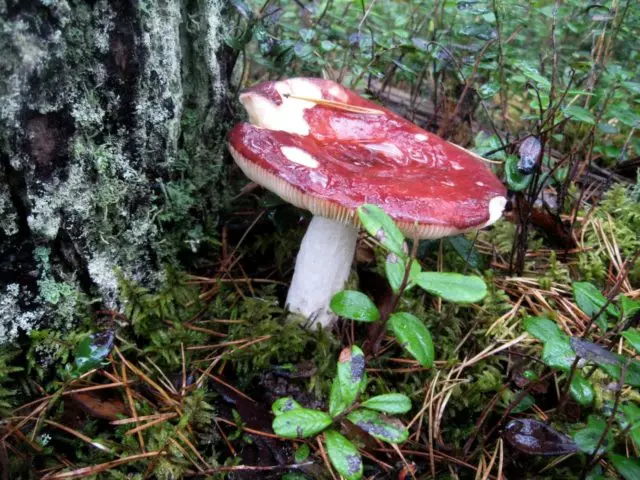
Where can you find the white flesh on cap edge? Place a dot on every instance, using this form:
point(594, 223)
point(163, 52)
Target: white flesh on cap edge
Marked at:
point(322, 269)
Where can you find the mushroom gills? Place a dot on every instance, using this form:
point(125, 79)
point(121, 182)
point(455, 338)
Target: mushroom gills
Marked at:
point(322, 269)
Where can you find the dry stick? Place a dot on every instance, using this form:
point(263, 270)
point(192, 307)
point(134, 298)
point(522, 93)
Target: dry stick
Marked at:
point(250, 468)
point(94, 469)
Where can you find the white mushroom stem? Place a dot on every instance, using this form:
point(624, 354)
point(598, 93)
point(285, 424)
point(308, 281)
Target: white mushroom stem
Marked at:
point(322, 269)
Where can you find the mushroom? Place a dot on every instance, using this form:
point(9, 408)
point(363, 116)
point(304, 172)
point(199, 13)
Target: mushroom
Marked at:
point(322, 147)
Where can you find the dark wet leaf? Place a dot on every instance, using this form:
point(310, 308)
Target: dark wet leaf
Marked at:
point(465, 249)
point(413, 336)
point(283, 405)
point(542, 328)
point(453, 287)
point(380, 226)
point(421, 44)
point(99, 405)
point(242, 8)
point(92, 350)
point(300, 423)
point(354, 306)
point(378, 425)
point(529, 151)
point(349, 381)
point(389, 403)
point(344, 455)
point(537, 438)
point(629, 468)
point(593, 352)
point(587, 438)
point(581, 390)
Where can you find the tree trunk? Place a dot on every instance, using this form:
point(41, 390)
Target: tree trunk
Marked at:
point(112, 123)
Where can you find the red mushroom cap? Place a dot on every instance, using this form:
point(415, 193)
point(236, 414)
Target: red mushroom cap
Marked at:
point(331, 157)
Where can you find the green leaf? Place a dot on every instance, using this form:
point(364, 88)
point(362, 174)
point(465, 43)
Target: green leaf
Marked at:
point(588, 437)
point(523, 405)
point(389, 403)
point(629, 468)
point(344, 455)
point(629, 307)
point(631, 413)
point(378, 425)
point(301, 453)
point(349, 380)
point(633, 337)
point(580, 114)
point(557, 353)
point(395, 269)
point(581, 390)
point(283, 405)
point(632, 375)
point(542, 328)
point(300, 423)
point(532, 73)
point(413, 336)
point(355, 306)
point(453, 287)
point(380, 226)
point(92, 350)
point(516, 180)
point(590, 300)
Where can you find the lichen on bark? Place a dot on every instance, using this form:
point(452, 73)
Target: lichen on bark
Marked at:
point(111, 148)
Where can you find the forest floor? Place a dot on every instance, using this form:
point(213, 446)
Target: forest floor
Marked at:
point(539, 378)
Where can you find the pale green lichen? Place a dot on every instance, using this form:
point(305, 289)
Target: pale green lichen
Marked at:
point(15, 316)
point(8, 214)
point(135, 171)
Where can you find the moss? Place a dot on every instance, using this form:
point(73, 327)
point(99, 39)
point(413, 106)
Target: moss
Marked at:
point(619, 216)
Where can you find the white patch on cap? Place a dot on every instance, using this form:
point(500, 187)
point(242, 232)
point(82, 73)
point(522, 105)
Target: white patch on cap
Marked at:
point(299, 156)
point(496, 207)
point(388, 149)
point(317, 177)
point(420, 137)
point(456, 166)
point(338, 92)
point(480, 184)
point(289, 115)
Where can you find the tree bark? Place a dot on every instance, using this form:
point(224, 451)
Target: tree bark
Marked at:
point(112, 122)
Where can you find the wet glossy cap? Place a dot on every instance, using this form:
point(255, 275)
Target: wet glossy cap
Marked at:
point(324, 148)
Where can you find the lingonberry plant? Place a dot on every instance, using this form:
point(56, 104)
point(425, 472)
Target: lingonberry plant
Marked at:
point(350, 382)
point(403, 272)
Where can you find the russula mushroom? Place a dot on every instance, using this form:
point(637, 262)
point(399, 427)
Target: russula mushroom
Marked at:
point(324, 148)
